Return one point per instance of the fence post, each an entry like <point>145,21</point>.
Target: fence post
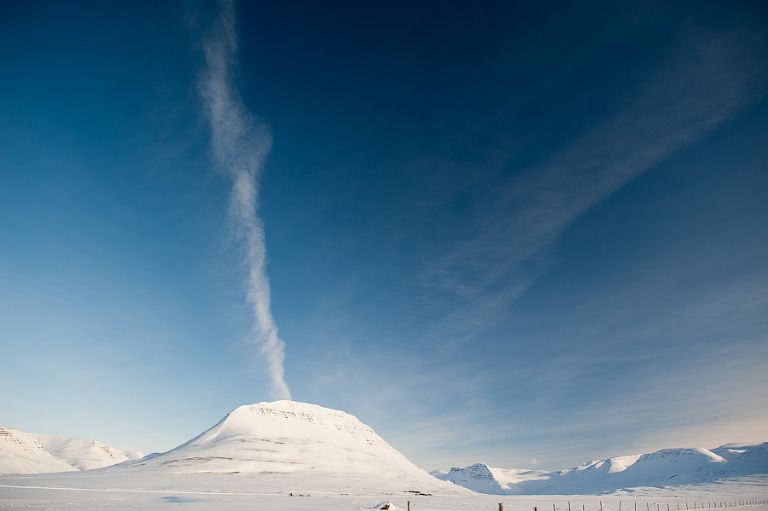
<point>409,505</point>
<point>501,507</point>
<point>601,505</point>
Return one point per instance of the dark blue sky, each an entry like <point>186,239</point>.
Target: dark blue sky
<point>495,232</point>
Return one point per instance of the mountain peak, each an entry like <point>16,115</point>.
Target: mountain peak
<point>478,471</point>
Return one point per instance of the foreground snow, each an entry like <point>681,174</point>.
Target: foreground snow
<point>59,492</point>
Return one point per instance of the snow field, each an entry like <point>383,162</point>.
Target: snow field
<point>53,499</point>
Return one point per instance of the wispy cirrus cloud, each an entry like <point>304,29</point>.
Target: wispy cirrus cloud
<point>702,83</point>
<point>240,145</point>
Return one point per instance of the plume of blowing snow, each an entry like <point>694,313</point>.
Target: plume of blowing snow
<point>240,145</point>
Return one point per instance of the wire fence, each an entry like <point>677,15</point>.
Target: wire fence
<point>632,505</point>
<point>677,505</point>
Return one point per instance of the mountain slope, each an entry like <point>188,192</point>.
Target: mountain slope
<point>668,467</point>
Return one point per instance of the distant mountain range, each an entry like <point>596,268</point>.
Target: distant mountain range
<point>28,453</point>
<point>668,467</point>
<point>289,446</point>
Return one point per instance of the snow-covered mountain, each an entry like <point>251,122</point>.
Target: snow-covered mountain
<point>287,445</point>
<point>29,453</point>
<point>85,454</point>
<point>22,453</point>
<point>484,479</point>
<point>668,467</point>
<point>746,459</point>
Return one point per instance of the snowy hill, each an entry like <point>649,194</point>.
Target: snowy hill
<point>668,467</point>
<point>29,453</point>
<point>287,445</point>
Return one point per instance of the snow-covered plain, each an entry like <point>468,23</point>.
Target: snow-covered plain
<point>295,456</point>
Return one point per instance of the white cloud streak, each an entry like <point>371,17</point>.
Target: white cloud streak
<point>240,145</point>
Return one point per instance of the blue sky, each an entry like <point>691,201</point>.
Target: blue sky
<point>515,234</point>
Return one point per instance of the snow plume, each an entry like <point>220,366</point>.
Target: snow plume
<point>240,144</point>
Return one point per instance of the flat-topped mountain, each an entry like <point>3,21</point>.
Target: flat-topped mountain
<point>287,444</point>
